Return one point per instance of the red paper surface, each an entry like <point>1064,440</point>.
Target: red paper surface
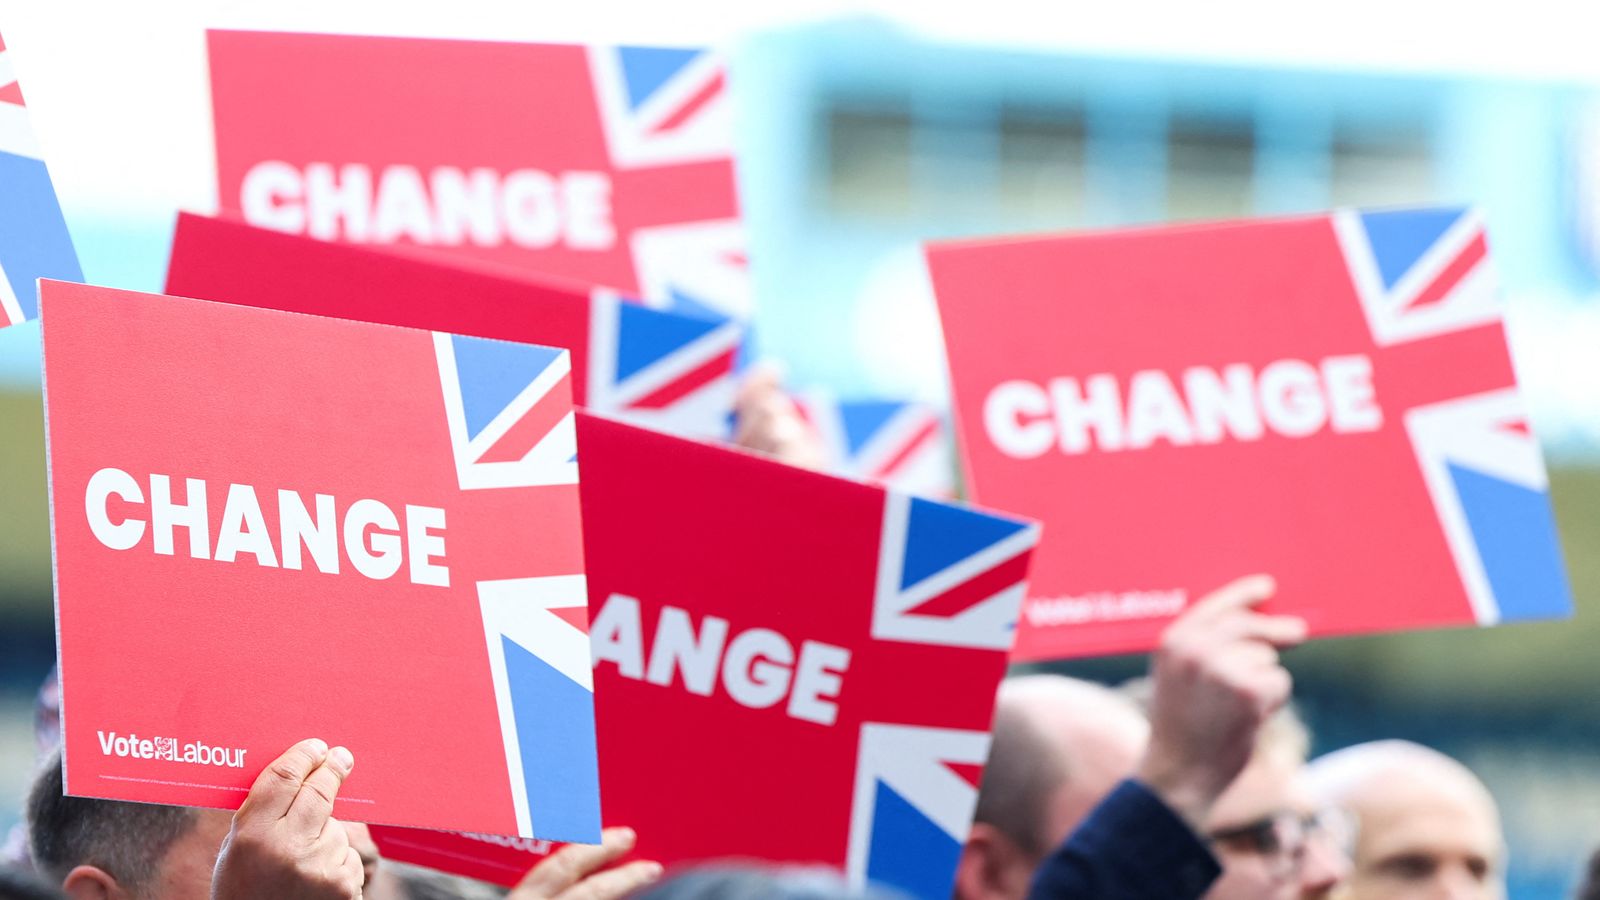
<point>605,165</point>
<point>879,776</point>
<point>664,369</point>
<point>1374,456</point>
<point>222,626</point>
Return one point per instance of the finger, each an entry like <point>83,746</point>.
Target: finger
<point>352,875</point>
<point>275,788</point>
<point>313,805</point>
<point>361,839</point>
<point>612,884</point>
<point>565,867</point>
<point>763,379</point>
<point>1276,631</point>
<point>1241,593</point>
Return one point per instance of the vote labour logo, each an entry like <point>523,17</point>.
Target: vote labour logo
<point>169,749</point>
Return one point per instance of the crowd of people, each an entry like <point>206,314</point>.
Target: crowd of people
<point>1193,782</point>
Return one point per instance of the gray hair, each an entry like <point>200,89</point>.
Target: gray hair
<point>125,840</point>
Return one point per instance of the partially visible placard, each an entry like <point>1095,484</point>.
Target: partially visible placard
<point>34,242</point>
<point>789,666</point>
<point>607,166</point>
<point>663,369</point>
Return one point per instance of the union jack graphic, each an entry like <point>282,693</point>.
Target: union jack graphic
<point>949,575</point>
<point>509,409</point>
<point>915,792</point>
<point>537,631</point>
<point>670,107</point>
<point>662,369</point>
<point>1425,276</point>
<point>34,242</point>
<point>903,444</point>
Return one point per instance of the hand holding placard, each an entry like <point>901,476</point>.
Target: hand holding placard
<point>570,873</point>
<point>1217,679</point>
<point>284,841</point>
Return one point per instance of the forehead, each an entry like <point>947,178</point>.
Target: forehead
<point>1433,819</point>
<point>1267,786</point>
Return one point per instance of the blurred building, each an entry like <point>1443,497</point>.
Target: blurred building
<point>862,140</point>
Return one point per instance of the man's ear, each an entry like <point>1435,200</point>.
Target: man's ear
<point>992,866</point>
<point>90,883</point>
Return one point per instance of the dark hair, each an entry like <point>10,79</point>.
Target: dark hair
<point>126,840</point>
<point>18,885</point>
<point>1590,889</point>
<point>1024,770</point>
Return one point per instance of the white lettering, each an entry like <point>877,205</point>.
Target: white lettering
<point>424,545</point>
<point>464,204</point>
<point>1096,406</point>
<point>1223,404</point>
<point>617,636</point>
<point>1290,397</point>
<point>319,535</point>
<point>332,201</point>
<point>1003,412</point>
<point>166,515</point>
<point>756,669</point>
<point>443,205</point>
<point>243,529</point>
<point>403,210</point>
<point>817,681</point>
<point>1351,399</point>
<point>272,196</point>
<point>1155,412</point>
<point>102,486</point>
<point>676,647</point>
<point>379,556</point>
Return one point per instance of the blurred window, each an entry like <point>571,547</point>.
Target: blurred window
<point>1389,167</point>
<point>869,160</point>
<point>1210,167</point>
<point>1042,166</point>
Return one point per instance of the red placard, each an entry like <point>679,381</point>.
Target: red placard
<point>1326,399</point>
<point>272,526</point>
<point>789,666</point>
<point>608,166</point>
<point>665,369</point>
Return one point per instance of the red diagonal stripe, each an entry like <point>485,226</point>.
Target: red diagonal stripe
<point>692,106</point>
<point>971,773</point>
<point>1452,274</point>
<point>11,93</point>
<point>532,427</point>
<point>687,383</point>
<point>2,43</point>
<point>929,431</point>
<point>576,616</point>
<point>1517,427</point>
<point>973,591</point>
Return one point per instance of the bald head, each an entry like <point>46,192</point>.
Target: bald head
<point>1060,745</point>
<point>1428,826</point>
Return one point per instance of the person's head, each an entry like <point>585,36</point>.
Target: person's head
<point>1427,827</point>
<point>742,880</point>
<point>1273,841</point>
<point>114,849</point>
<point>1059,746</point>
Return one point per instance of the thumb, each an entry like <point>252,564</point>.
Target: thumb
<point>275,788</point>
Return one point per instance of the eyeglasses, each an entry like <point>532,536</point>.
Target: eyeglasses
<point>1282,838</point>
